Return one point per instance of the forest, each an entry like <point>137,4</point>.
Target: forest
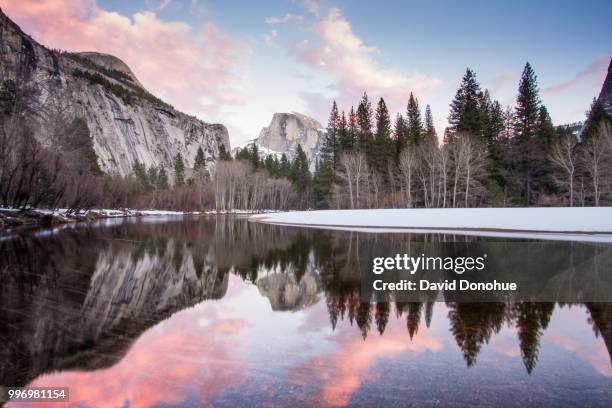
<point>489,155</point>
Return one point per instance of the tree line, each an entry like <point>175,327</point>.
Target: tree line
<point>488,155</point>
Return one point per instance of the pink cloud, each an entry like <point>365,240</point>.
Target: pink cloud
<point>495,84</point>
<point>337,50</point>
<point>596,69</point>
<point>148,375</point>
<point>171,59</point>
<point>343,371</point>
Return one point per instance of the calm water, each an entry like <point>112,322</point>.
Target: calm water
<point>221,312</point>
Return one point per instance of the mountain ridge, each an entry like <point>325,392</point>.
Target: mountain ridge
<point>127,123</point>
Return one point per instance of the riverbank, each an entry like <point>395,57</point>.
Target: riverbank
<point>14,219</point>
<point>541,222</point>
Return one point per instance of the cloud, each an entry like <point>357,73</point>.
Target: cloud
<point>286,19</point>
<point>337,50</point>
<point>157,5</point>
<point>312,6</point>
<point>171,59</point>
<point>269,37</point>
<point>596,69</point>
<point>501,81</point>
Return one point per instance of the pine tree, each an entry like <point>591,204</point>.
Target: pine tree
<point>595,115</point>
<point>353,130</point>
<point>382,147</point>
<point>525,129</point>
<point>546,130</point>
<point>200,161</point>
<point>300,174</point>
<point>399,133</point>
<point>179,170</point>
<point>344,138</point>
<point>330,147</point>
<point>364,124</point>
<point>271,165</point>
<point>153,176</point>
<point>527,105</point>
<point>140,171</point>
<point>284,168</point>
<point>162,179</point>
<point>495,123</point>
<point>414,123</point>
<point>321,184</point>
<point>465,114</point>
<point>223,154</point>
<point>430,130</point>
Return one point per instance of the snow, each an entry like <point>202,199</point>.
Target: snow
<point>538,223</point>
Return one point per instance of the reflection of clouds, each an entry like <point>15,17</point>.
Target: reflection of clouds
<point>164,365</point>
<point>342,372</point>
<point>506,343</point>
<point>596,354</point>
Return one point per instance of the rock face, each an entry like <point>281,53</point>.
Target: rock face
<point>288,130</point>
<point>127,123</point>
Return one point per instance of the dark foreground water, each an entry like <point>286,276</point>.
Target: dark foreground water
<point>221,312</point>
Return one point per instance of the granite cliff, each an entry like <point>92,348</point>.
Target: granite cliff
<point>126,122</point>
<point>288,130</point>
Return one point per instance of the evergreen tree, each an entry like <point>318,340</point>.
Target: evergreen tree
<point>271,165</point>
<point>153,176</point>
<point>200,161</point>
<point>224,154</point>
<point>284,168</point>
<point>179,170</point>
<point>595,115</point>
<point>330,147</point>
<point>382,149</point>
<point>414,123</point>
<point>399,133</point>
<point>526,117</point>
<point>527,105</point>
<point>546,130</point>
<point>254,155</point>
<point>430,130</point>
<point>344,142</point>
<point>321,183</point>
<point>495,123</point>
<point>162,179</point>
<point>364,124</point>
<point>140,171</point>
<point>353,130</point>
<point>465,114</point>
<point>300,174</point>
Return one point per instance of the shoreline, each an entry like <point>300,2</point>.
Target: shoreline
<point>556,223</point>
<point>15,220</point>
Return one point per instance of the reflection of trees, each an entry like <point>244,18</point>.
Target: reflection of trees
<point>78,299</point>
<point>531,321</point>
<point>472,325</point>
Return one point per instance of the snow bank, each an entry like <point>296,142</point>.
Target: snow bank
<point>545,219</point>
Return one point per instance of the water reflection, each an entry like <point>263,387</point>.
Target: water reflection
<point>221,311</point>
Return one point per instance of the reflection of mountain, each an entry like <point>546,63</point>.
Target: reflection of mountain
<point>79,298</point>
<point>85,313</point>
<point>285,292</point>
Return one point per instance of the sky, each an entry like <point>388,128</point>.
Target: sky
<point>238,62</point>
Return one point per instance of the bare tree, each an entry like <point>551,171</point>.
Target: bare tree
<point>354,170</point>
<point>564,157</point>
<point>407,165</point>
